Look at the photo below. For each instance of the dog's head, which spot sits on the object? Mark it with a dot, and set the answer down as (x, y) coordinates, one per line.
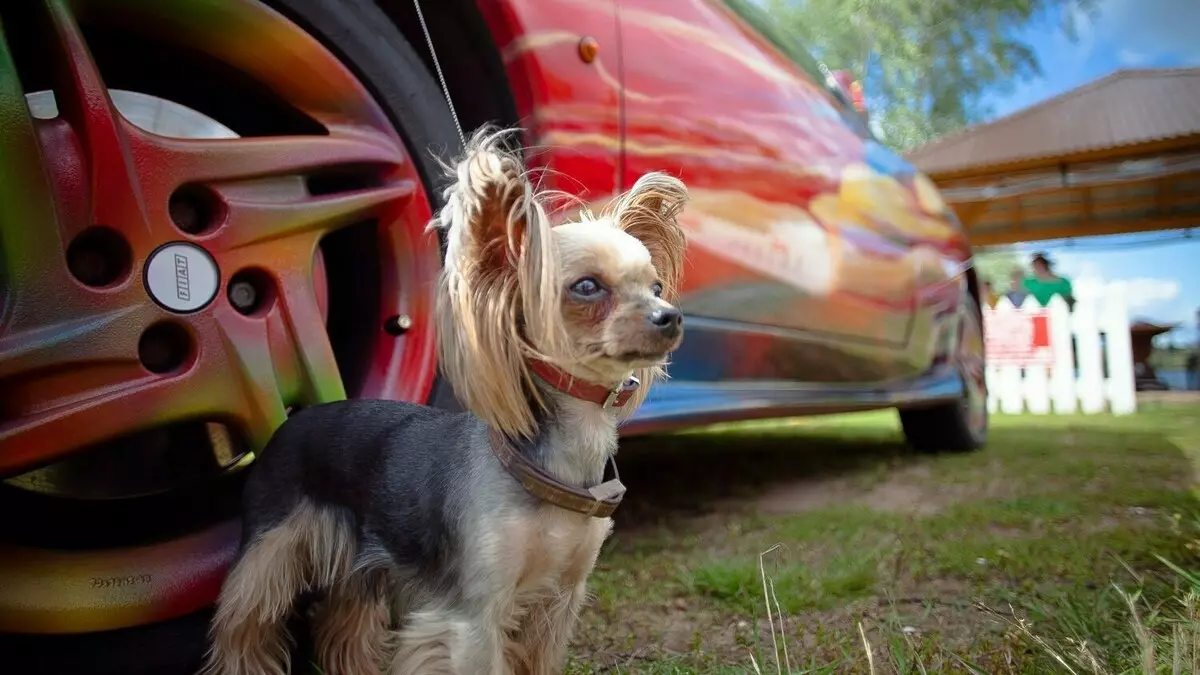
(592, 296)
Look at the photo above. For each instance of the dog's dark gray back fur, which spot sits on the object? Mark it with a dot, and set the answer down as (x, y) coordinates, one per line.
(387, 468)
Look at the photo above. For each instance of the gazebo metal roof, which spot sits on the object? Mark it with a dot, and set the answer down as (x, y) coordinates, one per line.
(1121, 154)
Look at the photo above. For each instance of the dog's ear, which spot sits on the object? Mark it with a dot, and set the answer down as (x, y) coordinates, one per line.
(650, 212)
(489, 204)
(499, 302)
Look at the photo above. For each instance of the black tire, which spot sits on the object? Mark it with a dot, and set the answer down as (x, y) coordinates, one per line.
(948, 427)
(366, 40)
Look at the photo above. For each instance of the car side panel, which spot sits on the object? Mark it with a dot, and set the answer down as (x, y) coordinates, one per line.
(571, 110)
(815, 255)
(797, 225)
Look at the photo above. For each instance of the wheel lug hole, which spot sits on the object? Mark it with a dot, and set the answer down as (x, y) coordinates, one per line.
(164, 347)
(243, 295)
(195, 210)
(251, 291)
(99, 257)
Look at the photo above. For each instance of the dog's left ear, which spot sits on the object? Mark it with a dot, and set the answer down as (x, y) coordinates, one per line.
(490, 203)
(650, 212)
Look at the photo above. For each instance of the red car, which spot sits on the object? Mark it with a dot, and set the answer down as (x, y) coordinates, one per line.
(211, 212)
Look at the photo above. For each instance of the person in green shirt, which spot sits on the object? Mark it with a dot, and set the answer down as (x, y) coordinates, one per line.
(1045, 284)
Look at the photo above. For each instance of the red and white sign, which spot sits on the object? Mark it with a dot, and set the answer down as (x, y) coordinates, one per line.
(1019, 337)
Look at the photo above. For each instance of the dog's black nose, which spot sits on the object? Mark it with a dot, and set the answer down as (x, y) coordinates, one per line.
(667, 321)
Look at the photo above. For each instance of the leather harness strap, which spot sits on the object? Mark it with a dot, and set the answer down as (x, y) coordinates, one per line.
(598, 502)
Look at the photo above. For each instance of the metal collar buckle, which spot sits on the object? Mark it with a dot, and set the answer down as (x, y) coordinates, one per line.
(622, 393)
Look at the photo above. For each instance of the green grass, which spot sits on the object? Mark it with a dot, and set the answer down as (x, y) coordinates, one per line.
(988, 561)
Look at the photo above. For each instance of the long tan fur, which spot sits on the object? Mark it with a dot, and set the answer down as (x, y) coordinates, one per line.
(500, 299)
(500, 290)
(650, 212)
(312, 548)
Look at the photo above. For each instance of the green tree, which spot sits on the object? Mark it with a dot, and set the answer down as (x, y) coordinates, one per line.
(927, 65)
(995, 265)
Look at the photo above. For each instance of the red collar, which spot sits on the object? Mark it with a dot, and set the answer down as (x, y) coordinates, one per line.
(584, 390)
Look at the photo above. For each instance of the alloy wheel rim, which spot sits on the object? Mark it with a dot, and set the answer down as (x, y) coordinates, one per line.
(90, 203)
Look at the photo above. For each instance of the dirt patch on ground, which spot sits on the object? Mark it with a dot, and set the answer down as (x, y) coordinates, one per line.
(891, 496)
(618, 641)
(907, 491)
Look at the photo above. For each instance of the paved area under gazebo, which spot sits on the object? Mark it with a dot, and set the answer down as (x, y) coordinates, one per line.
(1119, 155)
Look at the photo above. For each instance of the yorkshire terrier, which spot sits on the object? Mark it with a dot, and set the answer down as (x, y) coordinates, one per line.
(461, 543)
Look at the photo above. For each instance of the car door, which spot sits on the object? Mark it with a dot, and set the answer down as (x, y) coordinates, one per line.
(806, 236)
(562, 61)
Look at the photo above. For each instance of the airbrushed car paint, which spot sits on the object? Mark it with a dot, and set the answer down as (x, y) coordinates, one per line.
(822, 268)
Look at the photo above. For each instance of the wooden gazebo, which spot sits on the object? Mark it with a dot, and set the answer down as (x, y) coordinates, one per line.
(1141, 336)
(1119, 155)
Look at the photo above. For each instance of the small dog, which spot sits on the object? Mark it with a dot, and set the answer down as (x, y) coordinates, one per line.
(461, 543)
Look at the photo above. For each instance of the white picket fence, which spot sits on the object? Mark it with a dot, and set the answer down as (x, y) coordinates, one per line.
(1089, 365)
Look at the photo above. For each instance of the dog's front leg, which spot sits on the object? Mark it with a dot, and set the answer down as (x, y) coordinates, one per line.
(546, 632)
(443, 643)
(480, 648)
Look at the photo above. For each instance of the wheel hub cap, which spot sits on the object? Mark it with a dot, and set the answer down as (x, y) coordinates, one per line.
(182, 277)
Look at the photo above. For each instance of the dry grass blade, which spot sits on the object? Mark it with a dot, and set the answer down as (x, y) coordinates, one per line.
(1145, 640)
(767, 595)
(1023, 627)
(867, 646)
(787, 662)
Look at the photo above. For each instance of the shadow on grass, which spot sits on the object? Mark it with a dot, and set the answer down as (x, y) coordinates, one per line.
(674, 477)
(1045, 519)
(671, 478)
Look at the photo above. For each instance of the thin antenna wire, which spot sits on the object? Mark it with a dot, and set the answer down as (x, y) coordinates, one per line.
(438, 67)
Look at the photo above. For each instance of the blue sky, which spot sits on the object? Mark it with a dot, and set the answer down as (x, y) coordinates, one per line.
(1159, 270)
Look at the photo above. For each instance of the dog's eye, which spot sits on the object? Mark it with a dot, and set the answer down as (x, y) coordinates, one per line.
(586, 287)
(656, 288)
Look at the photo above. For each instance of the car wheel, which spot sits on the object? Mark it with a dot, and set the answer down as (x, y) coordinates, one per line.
(961, 425)
(211, 213)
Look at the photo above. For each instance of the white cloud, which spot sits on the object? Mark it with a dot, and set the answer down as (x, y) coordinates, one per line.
(1142, 294)
(1085, 33)
(1130, 57)
(1136, 32)
(1150, 28)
